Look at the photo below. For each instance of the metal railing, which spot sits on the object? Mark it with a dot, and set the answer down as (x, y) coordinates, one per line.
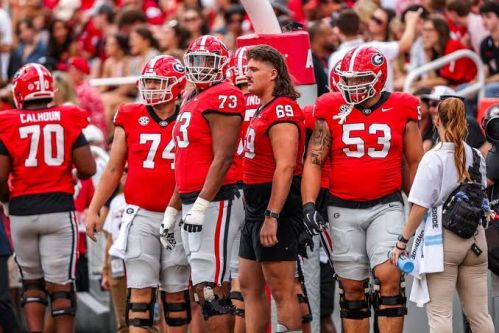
(470, 90)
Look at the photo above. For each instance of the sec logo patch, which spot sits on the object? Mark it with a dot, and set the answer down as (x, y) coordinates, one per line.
(144, 120)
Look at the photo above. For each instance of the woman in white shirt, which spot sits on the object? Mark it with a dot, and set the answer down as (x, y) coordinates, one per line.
(441, 171)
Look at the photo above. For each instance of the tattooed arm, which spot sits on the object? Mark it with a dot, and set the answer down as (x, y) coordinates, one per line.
(317, 153)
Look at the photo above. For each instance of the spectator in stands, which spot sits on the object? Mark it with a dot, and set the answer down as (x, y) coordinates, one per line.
(150, 8)
(5, 43)
(417, 55)
(347, 29)
(172, 39)
(233, 18)
(437, 43)
(390, 50)
(456, 13)
(489, 48)
(465, 26)
(88, 96)
(117, 64)
(61, 45)
(322, 45)
(475, 137)
(379, 25)
(194, 22)
(91, 40)
(143, 47)
(129, 20)
(29, 49)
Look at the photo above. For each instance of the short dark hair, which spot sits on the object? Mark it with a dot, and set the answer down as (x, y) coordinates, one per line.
(461, 7)
(146, 34)
(348, 22)
(490, 6)
(283, 83)
(131, 16)
(314, 28)
(28, 21)
(108, 11)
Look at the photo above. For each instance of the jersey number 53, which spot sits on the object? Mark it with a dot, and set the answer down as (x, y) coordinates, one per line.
(352, 137)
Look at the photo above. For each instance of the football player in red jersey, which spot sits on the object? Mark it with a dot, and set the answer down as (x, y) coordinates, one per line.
(272, 165)
(366, 133)
(237, 73)
(39, 144)
(206, 136)
(143, 140)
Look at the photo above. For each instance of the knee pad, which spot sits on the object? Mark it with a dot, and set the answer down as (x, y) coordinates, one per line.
(211, 304)
(63, 294)
(236, 295)
(177, 307)
(38, 285)
(355, 309)
(378, 300)
(303, 298)
(140, 307)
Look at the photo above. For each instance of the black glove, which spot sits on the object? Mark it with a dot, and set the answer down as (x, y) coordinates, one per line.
(305, 240)
(312, 219)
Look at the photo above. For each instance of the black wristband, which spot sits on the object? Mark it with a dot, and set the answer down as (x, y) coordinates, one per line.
(269, 213)
(402, 239)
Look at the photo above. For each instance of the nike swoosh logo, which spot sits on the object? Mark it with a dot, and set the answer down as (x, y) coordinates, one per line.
(385, 109)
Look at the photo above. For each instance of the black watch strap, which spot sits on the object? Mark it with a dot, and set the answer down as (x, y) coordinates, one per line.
(402, 239)
(272, 214)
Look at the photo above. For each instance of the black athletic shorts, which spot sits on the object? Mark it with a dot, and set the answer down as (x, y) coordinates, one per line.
(289, 224)
(328, 284)
(288, 230)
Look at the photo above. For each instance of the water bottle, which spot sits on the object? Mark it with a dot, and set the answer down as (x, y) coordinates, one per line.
(404, 263)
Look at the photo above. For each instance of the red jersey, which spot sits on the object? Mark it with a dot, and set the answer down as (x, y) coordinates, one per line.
(194, 154)
(39, 143)
(259, 164)
(308, 113)
(366, 151)
(150, 156)
(461, 70)
(252, 104)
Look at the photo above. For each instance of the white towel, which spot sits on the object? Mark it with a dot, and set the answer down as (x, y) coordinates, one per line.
(427, 254)
(118, 249)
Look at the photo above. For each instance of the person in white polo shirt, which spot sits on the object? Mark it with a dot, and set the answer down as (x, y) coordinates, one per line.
(459, 263)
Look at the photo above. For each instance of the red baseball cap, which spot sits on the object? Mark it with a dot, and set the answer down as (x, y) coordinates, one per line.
(80, 64)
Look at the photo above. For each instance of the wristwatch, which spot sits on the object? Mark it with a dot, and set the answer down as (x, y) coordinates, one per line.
(402, 239)
(269, 213)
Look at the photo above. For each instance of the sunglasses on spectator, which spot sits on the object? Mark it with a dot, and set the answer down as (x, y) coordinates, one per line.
(377, 20)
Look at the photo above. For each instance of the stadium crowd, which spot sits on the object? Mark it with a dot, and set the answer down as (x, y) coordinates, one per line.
(210, 181)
